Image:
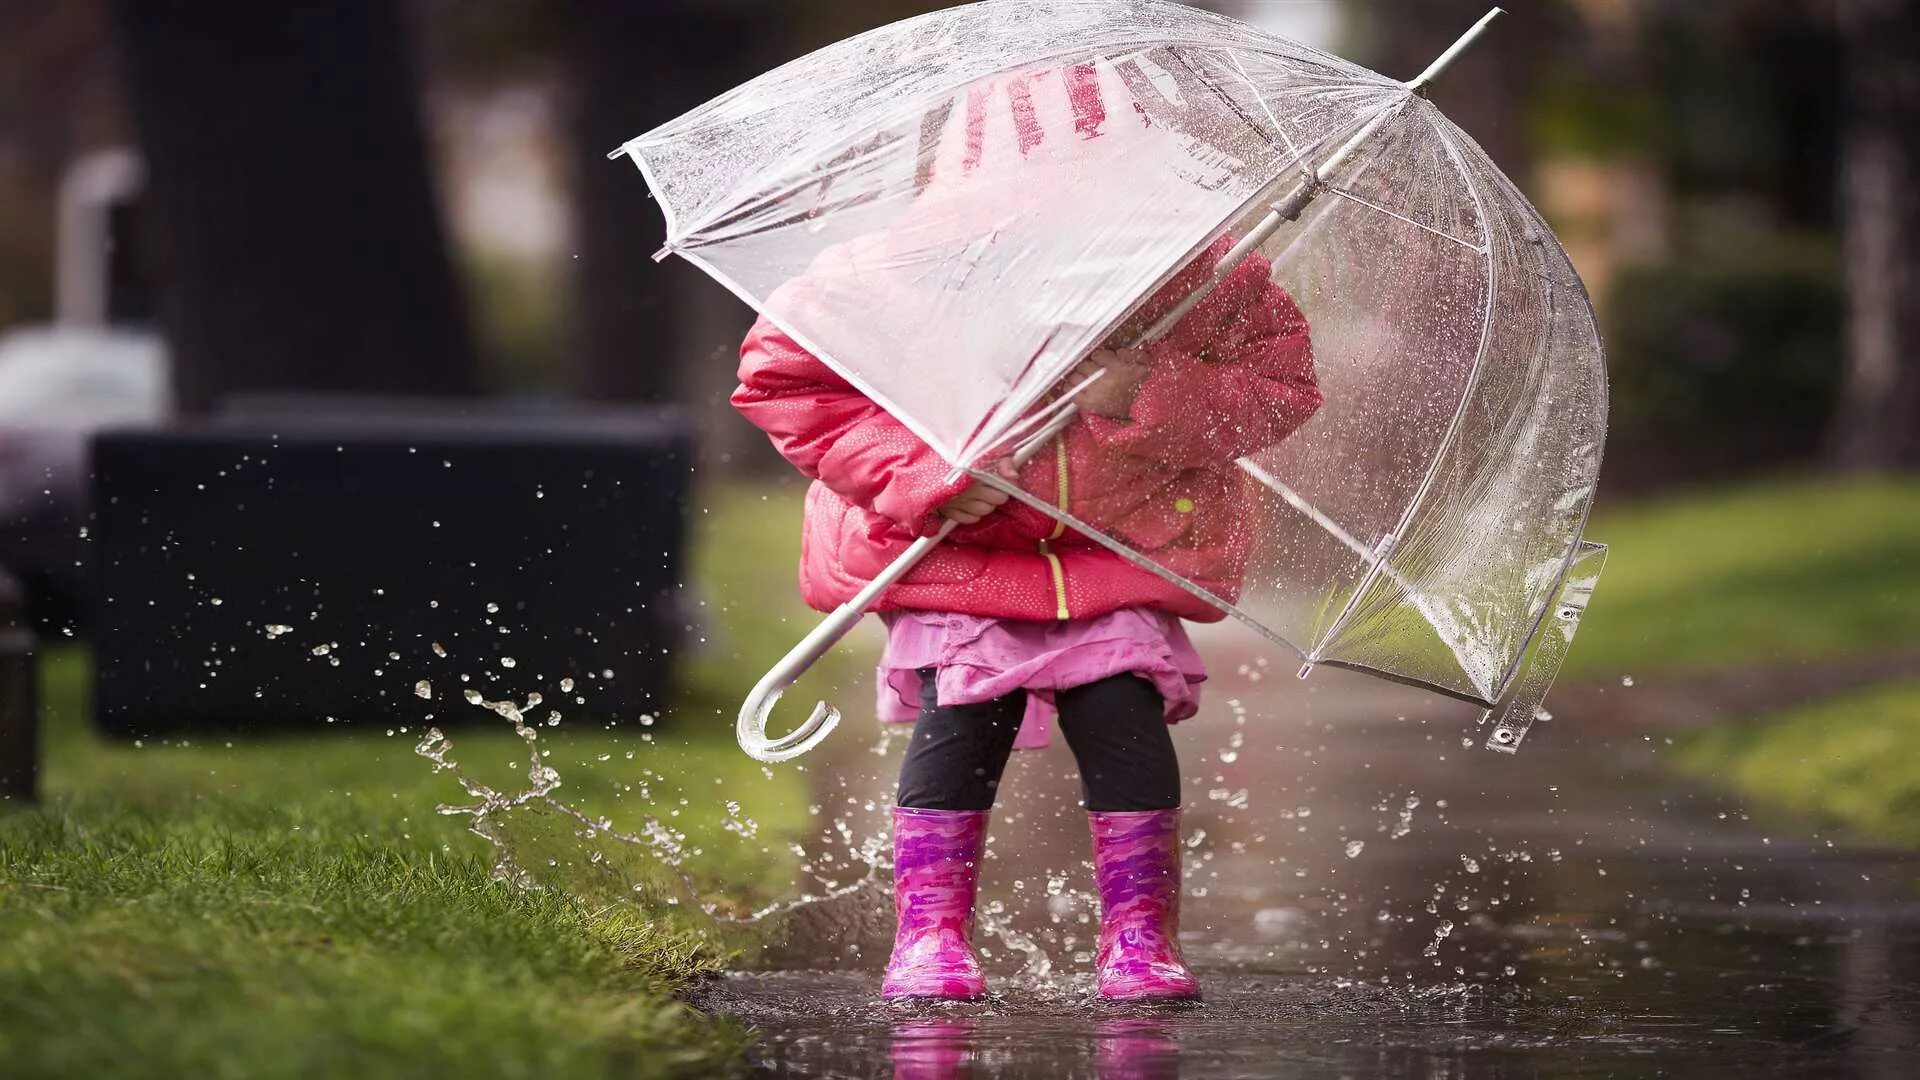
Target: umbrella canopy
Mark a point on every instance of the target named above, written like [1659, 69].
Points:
[952, 210]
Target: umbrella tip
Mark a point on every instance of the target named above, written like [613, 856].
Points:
[1419, 83]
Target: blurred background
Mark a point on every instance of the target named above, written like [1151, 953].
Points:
[207, 206]
[414, 198]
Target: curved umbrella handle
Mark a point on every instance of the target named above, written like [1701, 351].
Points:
[752, 730]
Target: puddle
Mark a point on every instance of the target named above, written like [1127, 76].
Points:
[1368, 893]
[1368, 896]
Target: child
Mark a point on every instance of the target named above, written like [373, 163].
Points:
[1016, 617]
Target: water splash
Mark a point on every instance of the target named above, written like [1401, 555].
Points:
[661, 845]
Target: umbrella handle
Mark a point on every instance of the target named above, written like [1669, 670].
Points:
[766, 693]
[752, 728]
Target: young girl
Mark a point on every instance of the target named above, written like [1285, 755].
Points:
[1017, 619]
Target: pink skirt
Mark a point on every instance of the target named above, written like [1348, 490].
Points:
[979, 659]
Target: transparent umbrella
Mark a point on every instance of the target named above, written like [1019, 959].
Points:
[952, 210]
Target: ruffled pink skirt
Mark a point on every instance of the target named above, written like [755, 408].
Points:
[979, 659]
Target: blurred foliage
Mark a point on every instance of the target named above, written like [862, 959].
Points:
[1853, 760]
[1766, 572]
[1750, 98]
[1568, 115]
[1729, 361]
[1735, 97]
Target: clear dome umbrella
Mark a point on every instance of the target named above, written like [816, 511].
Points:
[952, 210]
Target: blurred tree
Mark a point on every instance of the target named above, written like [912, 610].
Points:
[634, 66]
[1878, 422]
[1486, 91]
[638, 326]
[300, 241]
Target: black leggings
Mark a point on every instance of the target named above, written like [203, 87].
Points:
[1116, 727]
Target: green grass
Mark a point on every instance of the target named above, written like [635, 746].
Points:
[1781, 571]
[294, 905]
[746, 546]
[1853, 760]
[1763, 573]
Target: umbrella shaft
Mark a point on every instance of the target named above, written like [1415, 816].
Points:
[1290, 208]
[1419, 82]
[1287, 209]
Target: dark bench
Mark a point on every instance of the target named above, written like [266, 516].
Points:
[223, 555]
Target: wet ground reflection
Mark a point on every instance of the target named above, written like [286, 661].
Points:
[1367, 896]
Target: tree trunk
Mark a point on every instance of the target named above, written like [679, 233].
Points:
[635, 66]
[1877, 425]
[300, 242]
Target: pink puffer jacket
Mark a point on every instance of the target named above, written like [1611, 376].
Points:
[1234, 376]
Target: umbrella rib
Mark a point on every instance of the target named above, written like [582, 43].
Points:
[1443, 234]
[1039, 416]
[1460, 410]
[1318, 517]
[1264, 107]
[735, 203]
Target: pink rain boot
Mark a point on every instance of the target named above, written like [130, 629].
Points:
[1136, 862]
[936, 868]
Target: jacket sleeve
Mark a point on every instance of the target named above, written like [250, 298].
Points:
[1256, 388]
[831, 432]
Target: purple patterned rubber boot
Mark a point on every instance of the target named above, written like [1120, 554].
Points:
[936, 868]
[1136, 862]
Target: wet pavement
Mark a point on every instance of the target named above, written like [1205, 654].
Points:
[1369, 895]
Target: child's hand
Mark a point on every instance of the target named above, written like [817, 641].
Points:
[1111, 396]
[979, 500]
